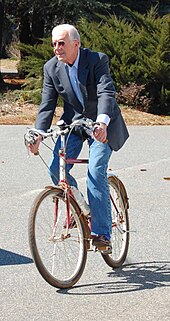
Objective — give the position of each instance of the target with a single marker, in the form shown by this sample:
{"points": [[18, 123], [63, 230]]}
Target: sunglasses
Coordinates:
{"points": [[59, 43]]}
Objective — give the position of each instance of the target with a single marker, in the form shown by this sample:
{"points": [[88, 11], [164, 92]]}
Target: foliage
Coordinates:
{"points": [[133, 96], [32, 66], [69, 10], [37, 18], [139, 6], [139, 51]]}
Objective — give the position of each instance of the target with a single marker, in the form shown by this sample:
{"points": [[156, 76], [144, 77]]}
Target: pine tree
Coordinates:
{"points": [[138, 48], [32, 66], [139, 51]]}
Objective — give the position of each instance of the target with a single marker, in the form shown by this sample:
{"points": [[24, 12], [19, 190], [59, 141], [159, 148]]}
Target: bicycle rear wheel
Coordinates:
{"points": [[59, 252], [120, 223]]}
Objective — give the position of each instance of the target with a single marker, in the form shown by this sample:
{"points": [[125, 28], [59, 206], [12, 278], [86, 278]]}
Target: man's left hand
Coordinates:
{"points": [[100, 132]]}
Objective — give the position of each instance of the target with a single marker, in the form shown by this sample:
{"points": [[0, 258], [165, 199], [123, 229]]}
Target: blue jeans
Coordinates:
{"points": [[97, 183]]}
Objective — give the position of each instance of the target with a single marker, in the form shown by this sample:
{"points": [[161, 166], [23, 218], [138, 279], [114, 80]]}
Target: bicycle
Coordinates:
{"points": [[59, 232]]}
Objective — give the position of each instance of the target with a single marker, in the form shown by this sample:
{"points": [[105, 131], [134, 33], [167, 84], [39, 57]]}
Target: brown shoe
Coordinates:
{"points": [[102, 243]]}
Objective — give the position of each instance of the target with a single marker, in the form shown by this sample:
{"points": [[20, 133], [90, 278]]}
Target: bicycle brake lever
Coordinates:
{"points": [[29, 139]]}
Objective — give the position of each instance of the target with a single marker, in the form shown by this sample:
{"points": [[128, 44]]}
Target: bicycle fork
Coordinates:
{"points": [[66, 191]]}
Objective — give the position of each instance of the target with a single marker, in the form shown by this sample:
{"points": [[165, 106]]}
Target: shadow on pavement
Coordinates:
{"points": [[129, 278], [11, 258]]}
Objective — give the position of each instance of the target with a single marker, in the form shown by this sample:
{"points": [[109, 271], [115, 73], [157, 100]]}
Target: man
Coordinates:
{"points": [[82, 78]]}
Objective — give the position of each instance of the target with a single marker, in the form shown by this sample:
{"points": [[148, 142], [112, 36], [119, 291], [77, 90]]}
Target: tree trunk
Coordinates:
{"points": [[24, 32], [24, 29], [1, 24], [1, 46], [37, 27]]}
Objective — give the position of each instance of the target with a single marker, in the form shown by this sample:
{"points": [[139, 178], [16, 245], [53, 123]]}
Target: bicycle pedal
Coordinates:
{"points": [[103, 249], [107, 251]]}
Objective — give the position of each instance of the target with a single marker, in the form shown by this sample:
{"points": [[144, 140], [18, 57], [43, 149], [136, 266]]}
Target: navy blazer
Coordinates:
{"points": [[98, 93]]}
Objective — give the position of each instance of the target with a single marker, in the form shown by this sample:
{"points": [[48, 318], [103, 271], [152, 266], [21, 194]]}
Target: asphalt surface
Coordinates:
{"points": [[140, 290]]}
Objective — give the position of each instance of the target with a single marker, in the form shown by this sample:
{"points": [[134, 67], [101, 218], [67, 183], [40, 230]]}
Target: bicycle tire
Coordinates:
{"points": [[59, 259], [120, 223]]}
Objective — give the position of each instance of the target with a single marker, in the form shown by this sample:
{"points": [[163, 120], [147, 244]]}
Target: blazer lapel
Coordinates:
{"points": [[82, 75], [68, 91]]}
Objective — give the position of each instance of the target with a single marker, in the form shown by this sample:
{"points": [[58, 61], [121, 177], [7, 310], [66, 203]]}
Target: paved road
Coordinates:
{"points": [[140, 290]]}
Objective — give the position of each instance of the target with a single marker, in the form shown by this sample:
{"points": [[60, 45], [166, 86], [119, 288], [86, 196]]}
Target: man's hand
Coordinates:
{"points": [[100, 132], [34, 148]]}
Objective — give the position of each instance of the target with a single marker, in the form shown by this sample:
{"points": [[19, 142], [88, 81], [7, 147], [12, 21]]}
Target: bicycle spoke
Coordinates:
{"points": [[120, 225], [59, 251]]}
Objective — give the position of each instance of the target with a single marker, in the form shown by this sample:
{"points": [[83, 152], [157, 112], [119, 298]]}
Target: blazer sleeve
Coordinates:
{"points": [[105, 89], [48, 103]]}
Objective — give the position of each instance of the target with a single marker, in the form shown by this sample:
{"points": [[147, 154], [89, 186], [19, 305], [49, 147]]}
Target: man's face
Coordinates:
{"points": [[65, 49]]}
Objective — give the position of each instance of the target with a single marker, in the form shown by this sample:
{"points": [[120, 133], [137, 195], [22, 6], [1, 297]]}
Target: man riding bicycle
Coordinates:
{"points": [[82, 78]]}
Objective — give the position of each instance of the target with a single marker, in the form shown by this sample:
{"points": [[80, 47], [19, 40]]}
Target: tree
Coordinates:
{"points": [[37, 18], [1, 26], [139, 51], [163, 7], [1, 23]]}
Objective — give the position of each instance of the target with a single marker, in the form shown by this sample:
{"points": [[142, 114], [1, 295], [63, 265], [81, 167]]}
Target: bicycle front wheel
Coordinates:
{"points": [[59, 251], [120, 223]]}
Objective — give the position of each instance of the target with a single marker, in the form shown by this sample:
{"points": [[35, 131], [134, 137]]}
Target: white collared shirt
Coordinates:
{"points": [[73, 75]]}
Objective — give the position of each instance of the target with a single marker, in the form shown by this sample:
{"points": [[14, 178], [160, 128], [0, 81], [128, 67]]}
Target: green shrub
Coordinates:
{"points": [[31, 66], [139, 51]]}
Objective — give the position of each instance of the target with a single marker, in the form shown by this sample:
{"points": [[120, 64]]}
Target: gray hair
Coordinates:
{"points": [[72, 31]]}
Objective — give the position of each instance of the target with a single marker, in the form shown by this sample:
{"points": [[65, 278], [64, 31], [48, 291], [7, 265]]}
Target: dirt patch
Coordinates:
{"points": [[135, 117], [16, 113]]}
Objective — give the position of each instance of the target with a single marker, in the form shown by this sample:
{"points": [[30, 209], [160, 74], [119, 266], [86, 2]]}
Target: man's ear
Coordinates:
{"points": [[77, 44]]}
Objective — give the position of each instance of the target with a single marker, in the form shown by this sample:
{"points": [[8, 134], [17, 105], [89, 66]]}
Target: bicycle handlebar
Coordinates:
{"points": [[61, 129]]}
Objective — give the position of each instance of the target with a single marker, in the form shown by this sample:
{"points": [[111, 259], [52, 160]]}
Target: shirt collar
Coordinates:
{"points": [[76, 61]]}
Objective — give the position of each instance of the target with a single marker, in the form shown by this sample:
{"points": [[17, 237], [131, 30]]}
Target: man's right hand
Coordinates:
{"points": [[34, 148]]}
